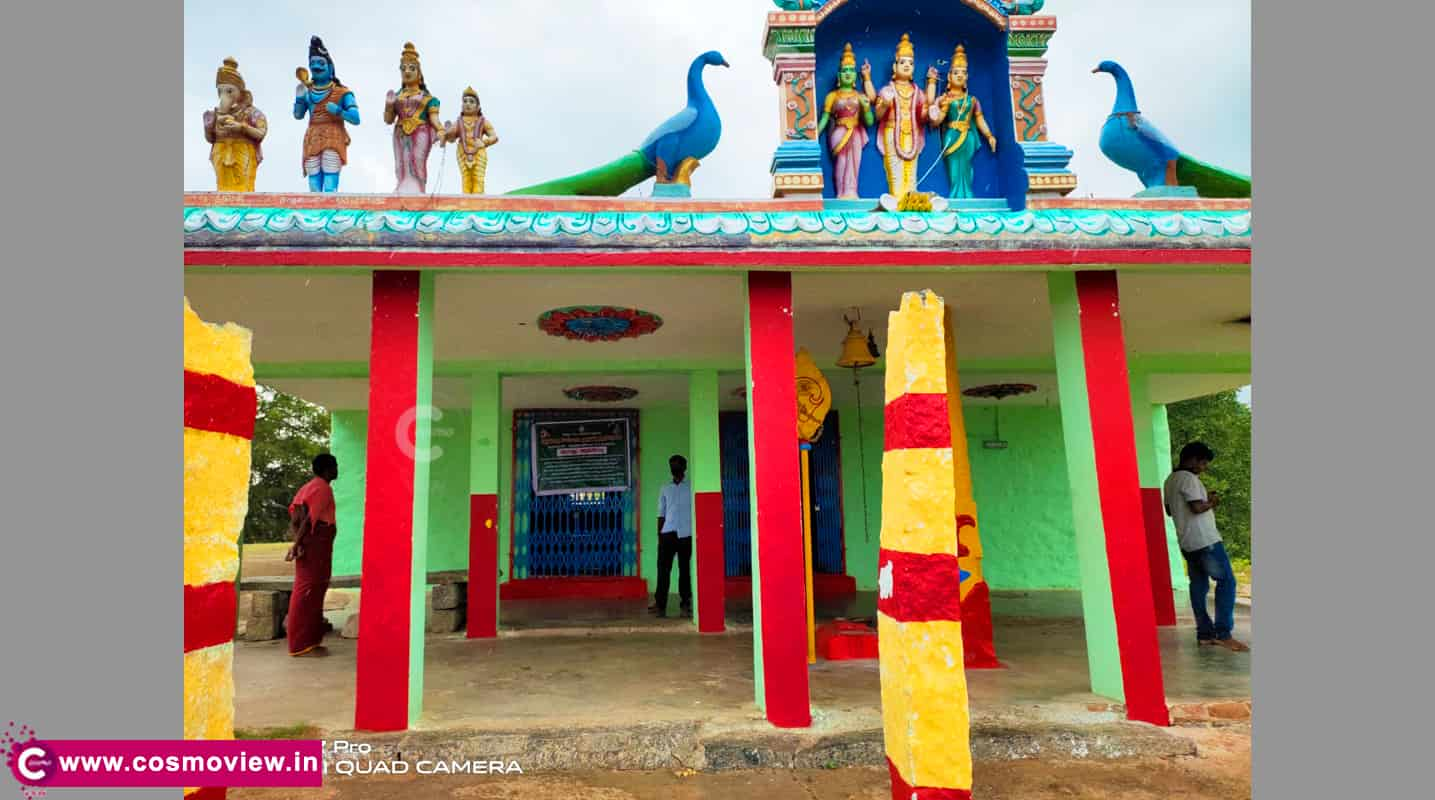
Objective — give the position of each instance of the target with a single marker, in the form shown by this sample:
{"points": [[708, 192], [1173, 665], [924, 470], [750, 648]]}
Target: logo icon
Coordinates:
{"points": [[29, 759]]}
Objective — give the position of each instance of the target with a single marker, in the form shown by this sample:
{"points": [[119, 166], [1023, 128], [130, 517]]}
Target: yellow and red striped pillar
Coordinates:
{"points": [[219, 409], [977, 646], [925, 718]]}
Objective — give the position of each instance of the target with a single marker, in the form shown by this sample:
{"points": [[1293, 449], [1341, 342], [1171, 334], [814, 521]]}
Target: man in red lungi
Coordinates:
{"points": [[312, 526]]}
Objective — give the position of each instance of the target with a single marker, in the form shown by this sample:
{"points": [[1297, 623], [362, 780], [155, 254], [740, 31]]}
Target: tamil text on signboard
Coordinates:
{"points": [[590, 455]]}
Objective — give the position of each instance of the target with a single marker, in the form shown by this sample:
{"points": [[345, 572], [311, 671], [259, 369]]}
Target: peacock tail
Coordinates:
{"points": [[1210, 180], [609, 180]]}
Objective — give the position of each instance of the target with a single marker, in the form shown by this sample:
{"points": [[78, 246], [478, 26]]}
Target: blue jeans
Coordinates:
{"points": [[1203, 566]]}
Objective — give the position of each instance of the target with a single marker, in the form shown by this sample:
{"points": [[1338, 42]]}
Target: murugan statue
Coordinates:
{"points": [[234, 130], [960, 110], [474, 134], [414, 114], [850, 112], [901, 117], [329, 105]]}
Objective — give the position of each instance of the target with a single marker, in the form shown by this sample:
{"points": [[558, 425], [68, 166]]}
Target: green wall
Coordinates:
{"points": [[1022, 497], [448, 491], [1023, 504]]}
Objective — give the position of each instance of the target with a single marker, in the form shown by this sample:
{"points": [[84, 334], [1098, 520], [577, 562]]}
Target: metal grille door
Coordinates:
{"points": [[583, 534], [736, 508], [828, 558]]}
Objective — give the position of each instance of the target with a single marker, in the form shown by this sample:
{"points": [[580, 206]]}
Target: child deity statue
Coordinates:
{"points": [[850, 112], [414, 114], [474, 134], [329, 105], [960, 111], [234, 130], [901, 111]]}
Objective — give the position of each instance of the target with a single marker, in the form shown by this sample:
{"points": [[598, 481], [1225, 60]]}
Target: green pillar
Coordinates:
{"points": [[424, 455], [705, 471], [1161, 445], [485, 461], [1103, 655]]}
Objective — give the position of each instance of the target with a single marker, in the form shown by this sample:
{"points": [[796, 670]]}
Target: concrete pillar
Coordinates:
{"points": [[1152, 509], [485, 432], [705, 471], [779, 617], [1120, 616], [389, 683]]}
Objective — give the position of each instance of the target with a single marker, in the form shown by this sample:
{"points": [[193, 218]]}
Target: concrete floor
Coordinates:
{"points": [[580, 664]]}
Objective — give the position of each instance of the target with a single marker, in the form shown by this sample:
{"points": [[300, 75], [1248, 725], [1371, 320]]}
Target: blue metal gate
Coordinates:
{"points": [[826, 465], [584, 534]]}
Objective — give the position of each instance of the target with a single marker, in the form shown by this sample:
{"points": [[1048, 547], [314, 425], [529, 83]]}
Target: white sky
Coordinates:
{"points": [[557, 80]]}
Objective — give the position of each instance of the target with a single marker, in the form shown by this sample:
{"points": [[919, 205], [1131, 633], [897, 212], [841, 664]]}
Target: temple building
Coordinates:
{"points": [[473, 349]]}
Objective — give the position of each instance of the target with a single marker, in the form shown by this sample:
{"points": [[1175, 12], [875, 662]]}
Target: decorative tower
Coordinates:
{"points": [[1028, 35], [790, 44]]}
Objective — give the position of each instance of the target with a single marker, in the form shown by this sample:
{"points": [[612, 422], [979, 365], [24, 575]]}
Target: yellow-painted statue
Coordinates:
{"points": [[901, 117], [234, 129], [474, 134]]}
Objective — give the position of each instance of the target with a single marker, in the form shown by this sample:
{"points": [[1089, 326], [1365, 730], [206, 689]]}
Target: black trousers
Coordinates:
{"points": [[670, 546]]}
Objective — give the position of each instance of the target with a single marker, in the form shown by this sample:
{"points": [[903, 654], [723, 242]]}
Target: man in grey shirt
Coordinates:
{"points": [[1193, 509]]}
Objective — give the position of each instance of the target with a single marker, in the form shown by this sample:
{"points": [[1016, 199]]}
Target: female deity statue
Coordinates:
{"points": [[851, 113], [414, 114], [234, 130], [474, 134], [329, 105], [960, 110], [901, 110]]}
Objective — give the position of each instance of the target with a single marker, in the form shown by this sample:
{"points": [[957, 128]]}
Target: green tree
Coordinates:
{"points": [[1224, 423], [288, 433]]}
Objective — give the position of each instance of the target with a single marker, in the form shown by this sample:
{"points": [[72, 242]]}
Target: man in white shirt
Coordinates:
{"points": [[675, 537], [1193, 509]]}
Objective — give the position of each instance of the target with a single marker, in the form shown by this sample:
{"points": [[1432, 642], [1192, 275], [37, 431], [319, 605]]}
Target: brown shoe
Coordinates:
{"points": [[1233, 645], [318, 651]]}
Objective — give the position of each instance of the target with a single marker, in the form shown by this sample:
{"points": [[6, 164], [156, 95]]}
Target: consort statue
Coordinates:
{"points": [[414, 114], [959, 110], [850, 113]]}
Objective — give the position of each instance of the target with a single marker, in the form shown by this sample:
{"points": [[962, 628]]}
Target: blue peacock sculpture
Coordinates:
{"points": [[671, 152], [1134, 143]]}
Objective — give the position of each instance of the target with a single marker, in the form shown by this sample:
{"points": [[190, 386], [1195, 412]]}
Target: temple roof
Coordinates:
{"points": [[374, 229]]}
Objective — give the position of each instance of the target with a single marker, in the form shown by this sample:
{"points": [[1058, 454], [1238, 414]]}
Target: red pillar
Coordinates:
{"points": [[708, 528], [1161, 594], [483, 566], [772, 405], [1119, 488], [382, 693]]}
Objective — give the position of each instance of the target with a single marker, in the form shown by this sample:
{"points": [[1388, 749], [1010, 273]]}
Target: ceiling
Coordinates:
{"points": [[315, 317]]}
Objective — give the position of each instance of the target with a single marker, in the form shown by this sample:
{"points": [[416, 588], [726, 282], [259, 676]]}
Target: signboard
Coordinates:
{"points": [[585, 455]]}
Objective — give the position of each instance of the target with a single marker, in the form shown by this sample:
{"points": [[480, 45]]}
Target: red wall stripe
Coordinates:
{"points": [[482, 566], [1114, 434], [917, 420], [1161, 595], [775, 479], [924, 586], [902, 791], [209, 615], [693, 257], [212, 403], [381, 695], [707, 514]]}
